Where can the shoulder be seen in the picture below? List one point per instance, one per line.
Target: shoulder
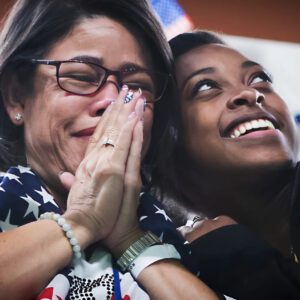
(22, 198)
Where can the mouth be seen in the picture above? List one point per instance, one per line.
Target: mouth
(87, 132)
(242, 128)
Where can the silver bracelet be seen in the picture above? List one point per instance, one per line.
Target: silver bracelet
(151, 255)
(66, 228)
(126, 259)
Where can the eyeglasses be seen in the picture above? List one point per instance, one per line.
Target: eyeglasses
(86, 78)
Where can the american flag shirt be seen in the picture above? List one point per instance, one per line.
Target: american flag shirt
(23, 198)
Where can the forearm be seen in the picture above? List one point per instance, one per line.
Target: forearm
(29, 258)
(167, 279)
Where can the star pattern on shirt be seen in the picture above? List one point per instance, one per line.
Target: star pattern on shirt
(11, 176)
(46, 196)
(162, 212)
(2, 189)
(24, 170)
(6, 225)
(143, 218)
(33, 206)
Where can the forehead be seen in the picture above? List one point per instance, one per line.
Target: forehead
(101, 37)
(216, 56)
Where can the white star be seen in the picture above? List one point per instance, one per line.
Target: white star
(13, 177)
(46, 196)
(6, 224)
(2, 189)
(25, 170)
(33, 206)
(162, 212)
(143, 218)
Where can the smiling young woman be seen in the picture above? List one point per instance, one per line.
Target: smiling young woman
(235, 163)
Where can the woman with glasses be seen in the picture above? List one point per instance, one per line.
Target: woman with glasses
(83, 85)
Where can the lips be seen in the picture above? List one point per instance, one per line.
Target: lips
(248, 124)
(84, 132)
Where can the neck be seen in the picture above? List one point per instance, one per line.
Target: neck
(257, 199)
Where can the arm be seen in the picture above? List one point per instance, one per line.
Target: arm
(29, 257)
(236, 262)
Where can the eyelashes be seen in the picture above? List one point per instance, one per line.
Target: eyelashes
(203, 86)
(206, 87)
(260, 77)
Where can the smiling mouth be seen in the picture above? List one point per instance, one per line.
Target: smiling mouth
(251, 126)
(85, 132)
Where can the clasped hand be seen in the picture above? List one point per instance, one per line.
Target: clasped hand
(103, 197)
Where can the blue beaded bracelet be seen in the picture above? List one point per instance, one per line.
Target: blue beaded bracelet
(66, 228)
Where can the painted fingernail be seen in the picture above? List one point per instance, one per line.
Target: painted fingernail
(128, 97)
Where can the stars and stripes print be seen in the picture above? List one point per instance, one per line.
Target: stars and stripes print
(23, 198)
(172, 16)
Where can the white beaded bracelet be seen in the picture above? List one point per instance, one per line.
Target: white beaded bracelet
(66, 228)
(151, 255)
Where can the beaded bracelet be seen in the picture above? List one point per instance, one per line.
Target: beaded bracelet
(66, 228)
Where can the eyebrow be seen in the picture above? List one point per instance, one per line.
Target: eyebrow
(208, 70)
(249, 63)
(99, 61)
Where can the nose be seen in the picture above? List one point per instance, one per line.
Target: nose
(245, 97)
(102, 99)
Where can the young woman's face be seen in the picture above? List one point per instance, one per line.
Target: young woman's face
(57, 123)
(233, 119)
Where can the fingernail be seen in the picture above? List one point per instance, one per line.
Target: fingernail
(125, 87)
(128, 97)
(140, 91)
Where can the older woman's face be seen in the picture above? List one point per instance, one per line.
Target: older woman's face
(58, 124)
(227, 124)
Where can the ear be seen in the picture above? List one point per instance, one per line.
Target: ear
(15, 111)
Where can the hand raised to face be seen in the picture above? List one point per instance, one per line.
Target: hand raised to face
(103, 199)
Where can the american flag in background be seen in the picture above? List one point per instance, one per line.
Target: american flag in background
(172, 16)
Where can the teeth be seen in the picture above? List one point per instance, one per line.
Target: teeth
(237, 133)
(270, 124)
(262, 123)
(242, 129)
(248, 125)
(254, 124)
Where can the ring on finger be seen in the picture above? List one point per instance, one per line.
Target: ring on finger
(108, 142)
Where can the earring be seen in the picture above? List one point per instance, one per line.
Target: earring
(18, 117)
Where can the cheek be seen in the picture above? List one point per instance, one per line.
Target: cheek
(201, 133)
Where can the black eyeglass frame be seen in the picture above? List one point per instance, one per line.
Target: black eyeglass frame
(108, 72)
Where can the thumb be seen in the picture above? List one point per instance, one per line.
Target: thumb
(67, 179)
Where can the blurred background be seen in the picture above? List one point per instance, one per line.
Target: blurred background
(267, 31)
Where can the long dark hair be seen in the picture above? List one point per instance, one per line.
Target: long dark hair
(168, 183)
(32, 28)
